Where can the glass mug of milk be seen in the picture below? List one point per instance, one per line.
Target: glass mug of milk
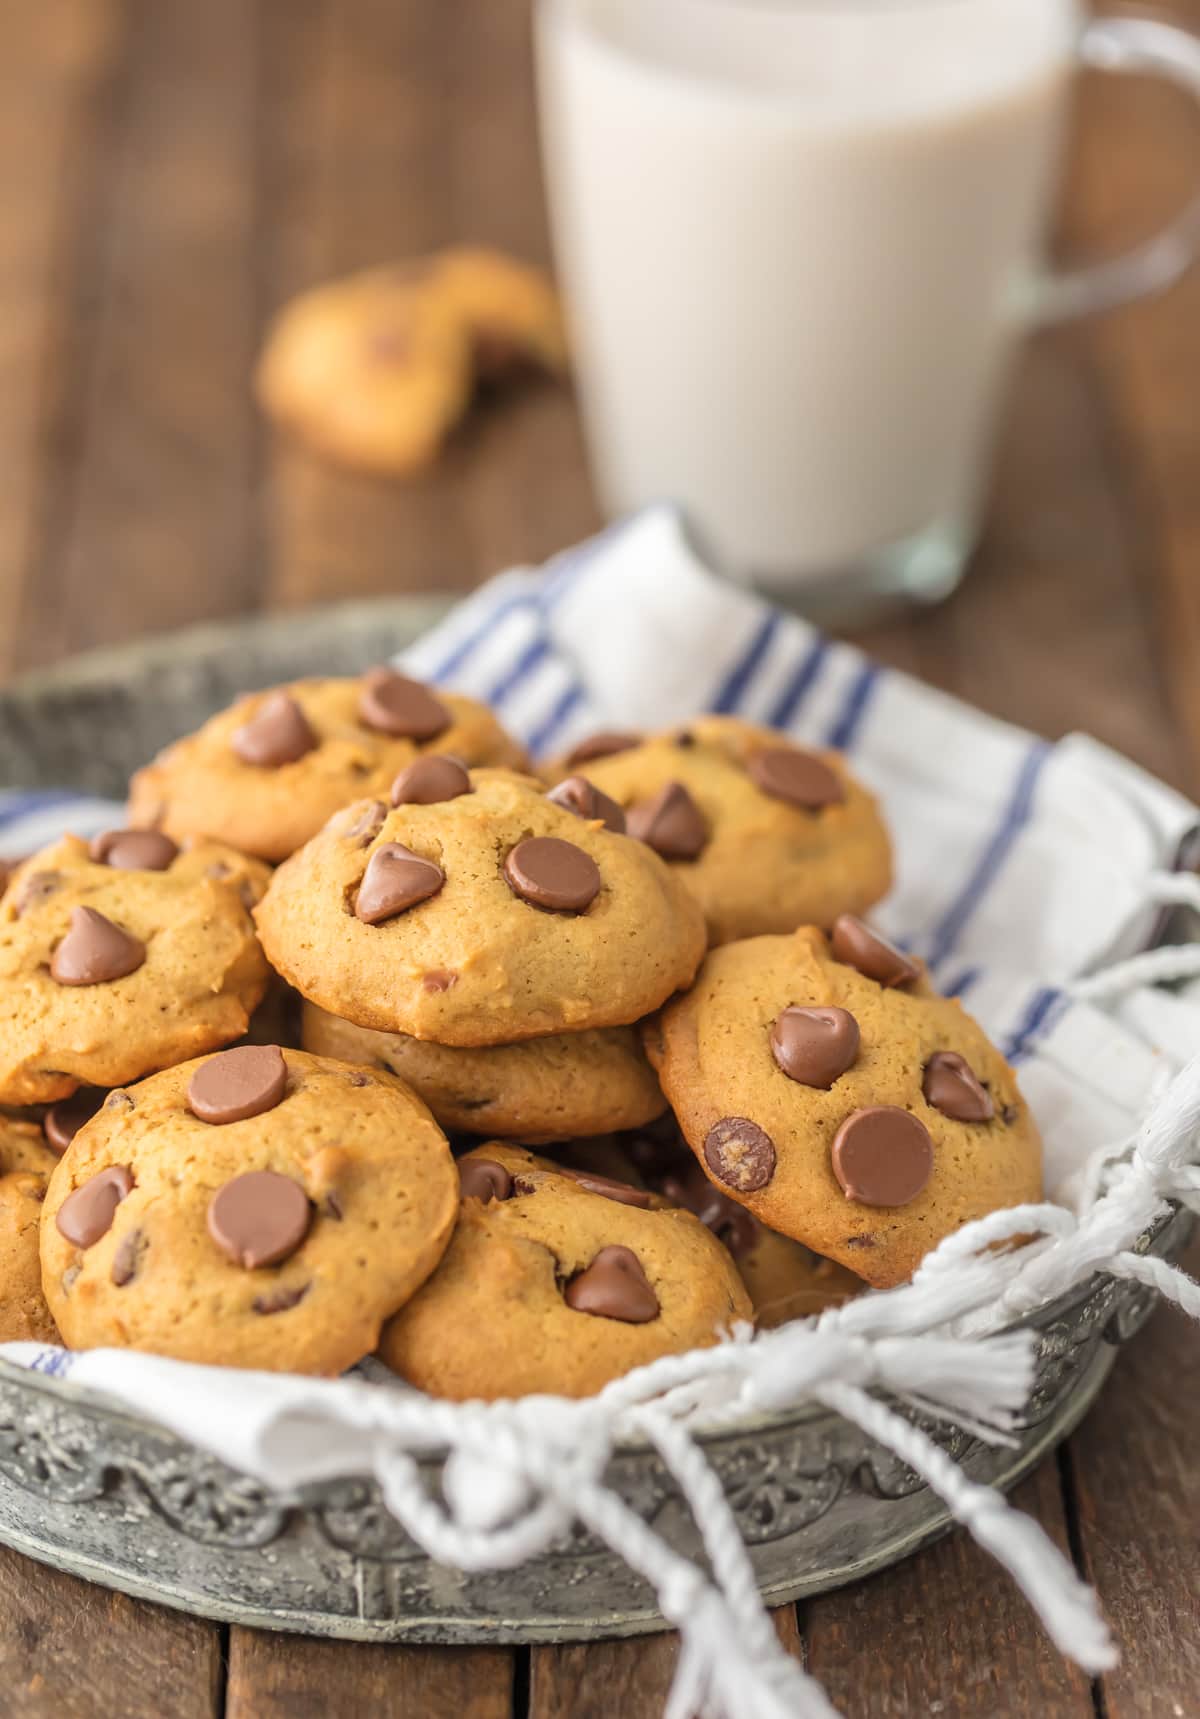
(800, 240)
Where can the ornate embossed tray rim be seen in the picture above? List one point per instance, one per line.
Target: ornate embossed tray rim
(89, 1487)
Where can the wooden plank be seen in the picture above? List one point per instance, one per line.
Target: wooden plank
(69, 1650)
(300, 1677)
(157, 529)
(1137, 1489)
(946, 1632)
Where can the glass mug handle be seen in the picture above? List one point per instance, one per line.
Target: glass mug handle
(1131, 45)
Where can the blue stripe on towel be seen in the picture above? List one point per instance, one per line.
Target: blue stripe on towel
(541, 736)
(13, 807)
(732, 689)
(466, 648)
(534, 653)
(1015, 816)
(961, 982)
(799, 684)
(844, 730)
(1044, 1006)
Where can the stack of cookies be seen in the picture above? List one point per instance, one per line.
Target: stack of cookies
(532, 1080)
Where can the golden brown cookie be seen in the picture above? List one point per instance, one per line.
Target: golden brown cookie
(540, 1089)
(25, 1165)
(510, 309)
(863, 1116)
(259, 1208)
(494, 916)
(373, 371)
(555, 1283)
(108, 972)
(765, 834)
(267, 773)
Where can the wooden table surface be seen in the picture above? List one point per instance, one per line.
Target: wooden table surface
(170, 171)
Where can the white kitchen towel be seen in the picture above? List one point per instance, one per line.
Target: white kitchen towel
(1027, 874)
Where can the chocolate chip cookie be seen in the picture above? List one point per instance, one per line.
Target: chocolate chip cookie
(552, 1088)
(258, 1208)
(558, 1283)
(766, 835)
(25, 1165)
(110, 969)
(267, 773)
(510, 310)
(843, 1102)
(492, 916)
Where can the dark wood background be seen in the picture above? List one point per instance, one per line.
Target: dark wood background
(170, 171)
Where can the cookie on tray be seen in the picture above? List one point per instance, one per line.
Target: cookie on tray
(767, 835)
(120, 958)
(510, 309)
(258, 1208)
(476, 909)
(267, 773)
(552, 1088)
(372, 371)
(822, 1084)
(557, 1282)
(25, 1165)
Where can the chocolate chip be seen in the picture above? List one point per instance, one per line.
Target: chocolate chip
(582, 797)
(259, 1218)
(438, 979)
(671, 823)
(816, 1045)
(603, 744)
(687, 1185)
(278, 733)
(128, 1258)
(237, 1084)
(624, 1193)
(800, 778)
(1009, 1115)
(368, 823)
(552, 874)
(483, 1179)
(281, 1299)
(614, 1286)
(951, 1085)
(35, 888)
(358, 1078)
(882, 1156)
(395, 880)
(685, 741)
(63, 1120)
(875, 958)
(87, 1214)
(429, 781)
(393, 704)
(134, 850)
(740, 1154)
(95, 951)
(119, 1099)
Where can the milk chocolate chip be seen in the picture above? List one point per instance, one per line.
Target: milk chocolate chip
(95, 951)
(815, 1046)
(552, 874)
(671, 823)
(882, 1156)
(278, 733)
(582, 797)
(688, 1186)
(127, 1258)
(800, 778)
(875, 958)
(952, 1086)
(63, 1120)
(614, 1286)
(740, 1154)
(431, 780)
(603, 744)
(483, 1179)
(368, 823)
(134, 850)
(237, 1084)
(87, 1214)
(393, 704)
(395, 880)
(624, 1193)
(259, 1218)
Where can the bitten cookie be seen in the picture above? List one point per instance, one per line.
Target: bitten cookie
(372, 371)
(25, 1165)
(847, 1106)
(267, 773)
(510, 309)
(559, 1283)
(258, 1208)
(122, 958)
(541, 1089)
(765, 834)
(478, 910)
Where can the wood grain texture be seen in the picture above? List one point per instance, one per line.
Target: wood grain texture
(69, 1650)
(295, 1677)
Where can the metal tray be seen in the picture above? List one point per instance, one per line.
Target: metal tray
(89, 1488)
